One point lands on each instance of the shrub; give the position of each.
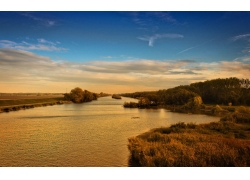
(237, 117)
(115, 96)
(130, 104)
(243, 110)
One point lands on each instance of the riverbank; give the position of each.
(115, 96)
(19, 103)
(207, 109)
(219, 144)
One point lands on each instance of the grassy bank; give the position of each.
(20, 104)
(214, 144)
(13, 102)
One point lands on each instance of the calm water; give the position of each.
(89, 134)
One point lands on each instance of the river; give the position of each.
(93, 134)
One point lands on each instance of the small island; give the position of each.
(115, 96)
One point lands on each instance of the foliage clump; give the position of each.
(215, 91)
(194, 103)
(241, 115)
(77, 95)
(116, 96)
(130, 104)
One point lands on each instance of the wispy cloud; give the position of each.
(152, 21)
(151, 39)
(44, 21)
(244, 59)
(164, 16)
(107, 57)
(245, 38)
(43, 45)
(196, 46)
(39, 73)
(240, 37)
(148, 18)
(41, 40)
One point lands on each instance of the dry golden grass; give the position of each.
(214, 144)
(14, 102)
(16, 97)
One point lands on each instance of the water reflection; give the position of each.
(89, 134)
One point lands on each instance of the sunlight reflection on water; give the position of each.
(89, 134)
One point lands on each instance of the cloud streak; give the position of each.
(196, 46)
(41, 40)
(43, 45)
(152, 39)
(148, 18)
(240, 37)
(43, 21)
(243, 37)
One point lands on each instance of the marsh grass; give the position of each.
(214, 144)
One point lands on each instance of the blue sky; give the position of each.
(120, 51)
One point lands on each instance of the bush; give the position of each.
(77, 95)
(115, 96)
(237, 117)
(130, 104)
(143, 102)
(243, 110)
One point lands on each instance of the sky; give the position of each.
(120, 51)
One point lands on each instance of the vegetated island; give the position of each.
(20, 101)
(116, 96)
(224, 143)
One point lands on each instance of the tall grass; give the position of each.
(215, 144)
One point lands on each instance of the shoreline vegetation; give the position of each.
(15, 102)
(220, 144)
(219, 97)
(21, 101)
(77, 95)
(116, 96)
(29, 106)
(230, 91)
(217, 144)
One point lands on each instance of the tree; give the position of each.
(143, 102)
(77, 95)
(194, 103)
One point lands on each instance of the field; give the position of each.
(12, 100)
(16, 97)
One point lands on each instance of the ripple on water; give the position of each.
(89, 134)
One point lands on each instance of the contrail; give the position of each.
(197, 45)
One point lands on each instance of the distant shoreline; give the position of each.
(29, 106)
(16, 103)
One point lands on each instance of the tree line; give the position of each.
(216, 91)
